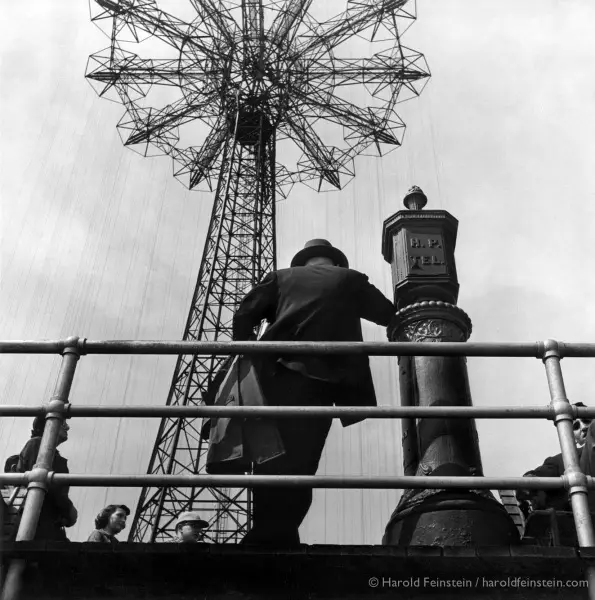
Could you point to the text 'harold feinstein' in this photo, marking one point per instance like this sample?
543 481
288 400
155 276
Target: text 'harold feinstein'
483 582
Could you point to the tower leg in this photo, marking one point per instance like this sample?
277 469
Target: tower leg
239 251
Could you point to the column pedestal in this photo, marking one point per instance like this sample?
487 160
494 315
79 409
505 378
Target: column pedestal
441 446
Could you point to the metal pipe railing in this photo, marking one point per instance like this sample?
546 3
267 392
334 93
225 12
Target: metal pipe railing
84 346
377 412
58 409
317 481
485 349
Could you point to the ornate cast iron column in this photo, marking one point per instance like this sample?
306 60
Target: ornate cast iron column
420 247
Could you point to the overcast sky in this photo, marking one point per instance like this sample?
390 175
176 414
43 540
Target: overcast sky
100 242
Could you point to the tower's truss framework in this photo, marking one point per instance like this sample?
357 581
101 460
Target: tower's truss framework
264 87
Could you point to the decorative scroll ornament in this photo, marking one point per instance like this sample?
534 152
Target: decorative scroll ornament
433 330
430 321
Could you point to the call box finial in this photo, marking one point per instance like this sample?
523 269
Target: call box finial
415 199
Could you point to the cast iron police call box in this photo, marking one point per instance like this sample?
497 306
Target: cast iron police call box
420 245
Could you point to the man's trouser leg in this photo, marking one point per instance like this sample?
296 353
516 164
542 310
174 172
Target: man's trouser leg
278 512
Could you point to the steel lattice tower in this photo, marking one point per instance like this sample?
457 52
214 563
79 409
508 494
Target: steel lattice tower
260 79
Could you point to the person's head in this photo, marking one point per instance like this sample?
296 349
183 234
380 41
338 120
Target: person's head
319 252
190 527
63 432
39 427
580 427
10 466
112 518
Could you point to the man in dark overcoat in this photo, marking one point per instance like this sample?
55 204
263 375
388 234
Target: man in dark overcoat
57 510
317 299
553 466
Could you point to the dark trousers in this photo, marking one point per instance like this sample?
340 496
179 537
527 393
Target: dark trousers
278 512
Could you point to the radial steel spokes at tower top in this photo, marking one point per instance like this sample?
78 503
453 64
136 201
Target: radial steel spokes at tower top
247 97
240 60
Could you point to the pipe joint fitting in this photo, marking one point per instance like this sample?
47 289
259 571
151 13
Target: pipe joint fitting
72 346
575 480
563 410
551 349
56 408
38 477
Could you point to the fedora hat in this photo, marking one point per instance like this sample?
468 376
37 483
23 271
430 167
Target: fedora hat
319 247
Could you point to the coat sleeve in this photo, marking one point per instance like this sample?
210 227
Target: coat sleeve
374 305
58 494
64 504
260 303
551 467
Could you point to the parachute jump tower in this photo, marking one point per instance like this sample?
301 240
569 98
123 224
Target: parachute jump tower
247 97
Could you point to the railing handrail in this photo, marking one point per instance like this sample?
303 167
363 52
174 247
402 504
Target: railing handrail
549 351
159 347
315 481
371 412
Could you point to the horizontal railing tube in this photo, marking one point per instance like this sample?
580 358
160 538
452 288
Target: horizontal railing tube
314 348
321 481
377 412
32 346
519 349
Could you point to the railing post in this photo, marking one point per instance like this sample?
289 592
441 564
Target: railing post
38 484
577 480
